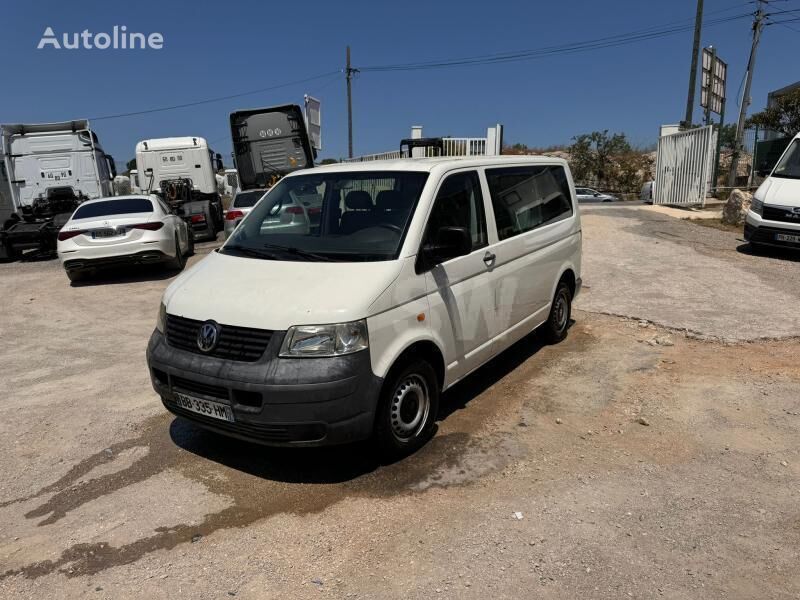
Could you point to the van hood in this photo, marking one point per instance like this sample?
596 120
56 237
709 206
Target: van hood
271 294
779 191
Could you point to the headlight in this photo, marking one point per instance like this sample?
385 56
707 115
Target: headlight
161 320
325 340
757 206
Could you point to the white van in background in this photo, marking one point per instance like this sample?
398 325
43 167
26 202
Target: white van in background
774 215
415 273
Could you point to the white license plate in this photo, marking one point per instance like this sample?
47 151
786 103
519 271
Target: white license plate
782 237
215 410
104 233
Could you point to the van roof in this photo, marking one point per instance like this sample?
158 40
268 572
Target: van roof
172 143
439 163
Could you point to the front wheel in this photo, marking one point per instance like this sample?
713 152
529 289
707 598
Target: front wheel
555 328
407 411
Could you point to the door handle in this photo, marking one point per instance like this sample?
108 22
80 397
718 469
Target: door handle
489 259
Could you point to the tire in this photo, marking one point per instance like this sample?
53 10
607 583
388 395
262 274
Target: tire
555 328
407 410
190 236
179 261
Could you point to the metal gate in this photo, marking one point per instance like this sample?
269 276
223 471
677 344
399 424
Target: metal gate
685 166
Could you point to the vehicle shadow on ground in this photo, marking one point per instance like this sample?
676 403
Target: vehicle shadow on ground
128 274
770 252
340 464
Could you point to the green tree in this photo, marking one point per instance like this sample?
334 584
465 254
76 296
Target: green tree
591 156
328 161
783 118
727 135
131 165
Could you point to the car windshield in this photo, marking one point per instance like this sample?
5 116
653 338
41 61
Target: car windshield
107 208
338 216
789 164
248 199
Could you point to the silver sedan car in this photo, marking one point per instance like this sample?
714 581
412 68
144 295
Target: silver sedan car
584 194
243 203
299 212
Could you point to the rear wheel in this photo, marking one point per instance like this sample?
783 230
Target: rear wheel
409 403
190 236
555 328
179 260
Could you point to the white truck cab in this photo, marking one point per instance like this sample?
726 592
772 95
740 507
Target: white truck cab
774 215
163 164
413 274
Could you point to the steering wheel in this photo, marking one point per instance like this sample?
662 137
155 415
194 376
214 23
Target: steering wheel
393 227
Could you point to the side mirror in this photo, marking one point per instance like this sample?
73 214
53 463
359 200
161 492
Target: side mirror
218 159
763 170
179 210
112 166
596 194
448 242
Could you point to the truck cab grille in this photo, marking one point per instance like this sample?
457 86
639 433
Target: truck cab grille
235 343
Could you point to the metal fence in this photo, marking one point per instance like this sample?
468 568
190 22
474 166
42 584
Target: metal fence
684 166
450 147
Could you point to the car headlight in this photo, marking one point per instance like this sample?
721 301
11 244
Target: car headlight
325 340
161 320
757 206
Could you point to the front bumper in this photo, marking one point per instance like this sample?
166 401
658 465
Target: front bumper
760 231
275 401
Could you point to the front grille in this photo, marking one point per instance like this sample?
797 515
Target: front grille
235 343
784 214
186 385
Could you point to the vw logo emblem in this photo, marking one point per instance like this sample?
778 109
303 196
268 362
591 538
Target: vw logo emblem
208 336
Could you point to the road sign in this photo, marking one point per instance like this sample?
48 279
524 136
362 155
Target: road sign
715 75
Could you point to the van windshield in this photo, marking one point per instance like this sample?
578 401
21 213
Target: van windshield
789 164
339 216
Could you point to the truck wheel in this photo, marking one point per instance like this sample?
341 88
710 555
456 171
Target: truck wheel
555 328
179 261
407 409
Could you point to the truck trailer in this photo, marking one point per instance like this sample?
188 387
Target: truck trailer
182 170
50 168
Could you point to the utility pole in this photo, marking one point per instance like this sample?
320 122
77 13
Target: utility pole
758 26
698 26
349 71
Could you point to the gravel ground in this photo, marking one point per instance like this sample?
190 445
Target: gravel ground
631 460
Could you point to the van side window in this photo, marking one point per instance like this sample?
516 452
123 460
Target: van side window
459 203
524 198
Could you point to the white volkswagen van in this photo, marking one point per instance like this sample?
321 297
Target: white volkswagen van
415 273
774 215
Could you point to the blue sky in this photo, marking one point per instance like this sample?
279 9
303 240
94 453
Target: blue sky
213 49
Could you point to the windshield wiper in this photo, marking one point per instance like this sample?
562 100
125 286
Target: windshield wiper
254 252
299 252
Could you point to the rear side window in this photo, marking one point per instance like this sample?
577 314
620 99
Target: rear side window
459 203
247 199
113 207
524 198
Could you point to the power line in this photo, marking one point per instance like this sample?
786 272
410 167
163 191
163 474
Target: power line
605 42
217 99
